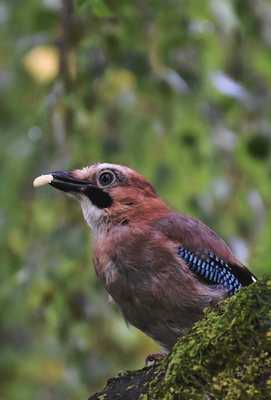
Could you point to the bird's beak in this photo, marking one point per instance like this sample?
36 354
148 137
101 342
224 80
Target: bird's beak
65 181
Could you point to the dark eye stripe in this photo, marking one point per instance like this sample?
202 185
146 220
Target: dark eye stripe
211 268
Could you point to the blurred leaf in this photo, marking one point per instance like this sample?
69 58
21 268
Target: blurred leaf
98 7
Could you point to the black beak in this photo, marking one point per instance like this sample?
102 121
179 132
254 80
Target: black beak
67 183
64 181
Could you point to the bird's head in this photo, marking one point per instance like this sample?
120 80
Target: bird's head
108 193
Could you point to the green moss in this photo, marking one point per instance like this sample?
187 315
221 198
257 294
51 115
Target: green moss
226 356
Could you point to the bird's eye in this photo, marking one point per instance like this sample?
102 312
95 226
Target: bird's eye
106 178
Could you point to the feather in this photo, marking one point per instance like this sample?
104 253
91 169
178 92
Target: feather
212 269
195 236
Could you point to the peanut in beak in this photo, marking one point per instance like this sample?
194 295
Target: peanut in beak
43 180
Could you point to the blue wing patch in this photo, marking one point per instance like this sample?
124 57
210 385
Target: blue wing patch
211 268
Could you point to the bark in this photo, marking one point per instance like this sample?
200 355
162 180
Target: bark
227 355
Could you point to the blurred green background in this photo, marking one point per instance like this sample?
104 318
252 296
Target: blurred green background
179 90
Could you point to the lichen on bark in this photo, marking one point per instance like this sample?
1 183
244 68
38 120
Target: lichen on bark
227 355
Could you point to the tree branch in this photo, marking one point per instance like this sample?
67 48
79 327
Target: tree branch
67 22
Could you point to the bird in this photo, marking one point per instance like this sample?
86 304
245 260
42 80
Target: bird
162 268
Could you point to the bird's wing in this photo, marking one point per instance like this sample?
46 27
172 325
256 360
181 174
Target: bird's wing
204 252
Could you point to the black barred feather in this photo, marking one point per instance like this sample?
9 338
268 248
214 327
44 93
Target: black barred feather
211 268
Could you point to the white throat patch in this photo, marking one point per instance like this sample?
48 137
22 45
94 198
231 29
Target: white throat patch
92 214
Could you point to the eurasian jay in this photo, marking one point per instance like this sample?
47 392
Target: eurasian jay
162 268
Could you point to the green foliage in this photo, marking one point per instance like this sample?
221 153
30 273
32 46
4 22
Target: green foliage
177 91
98 7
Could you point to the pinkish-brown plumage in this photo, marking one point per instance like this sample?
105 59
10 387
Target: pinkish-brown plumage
160 267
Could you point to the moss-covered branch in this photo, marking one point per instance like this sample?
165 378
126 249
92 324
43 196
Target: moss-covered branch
226 356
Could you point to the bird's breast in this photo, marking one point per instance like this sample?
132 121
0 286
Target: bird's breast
110 274
106 270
